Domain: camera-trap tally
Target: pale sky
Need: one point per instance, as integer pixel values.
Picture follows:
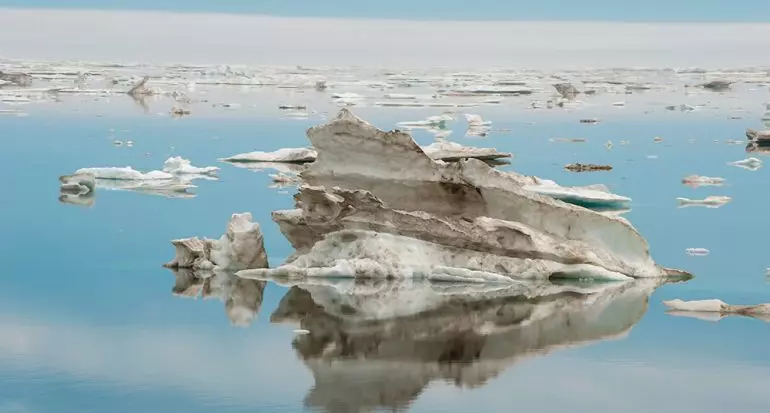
(165, 37)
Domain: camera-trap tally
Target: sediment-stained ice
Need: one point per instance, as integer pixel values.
(241, 247)
(350, 232)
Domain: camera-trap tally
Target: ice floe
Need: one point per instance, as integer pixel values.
(751, 164)
(241, 247)
(718, 308)
(284, 155)
(177, 165)
(696, 181)
(708, 202)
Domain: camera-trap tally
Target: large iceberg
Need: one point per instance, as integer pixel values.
(374, 204)
(376, 345)
(339, 232)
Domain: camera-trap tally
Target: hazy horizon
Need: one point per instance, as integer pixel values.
(165, 37)
(552, 10)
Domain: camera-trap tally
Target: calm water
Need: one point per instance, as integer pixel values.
(88, 321)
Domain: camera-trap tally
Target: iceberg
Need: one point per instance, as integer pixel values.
(342, 232)
(177, 165)
(241, 247)
(377, 345)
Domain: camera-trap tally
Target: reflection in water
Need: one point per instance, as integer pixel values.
(377, 344)
(242, 297)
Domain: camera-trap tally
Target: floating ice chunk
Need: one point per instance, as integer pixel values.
(400, 96)
(284, 168)
(696, 181)
(751, 164)
(346, 96)
(758, 136)
(591, 196)
(169, 188)
(476, 120)
(566, 90)
(761, 311)
(285, 155)
(126, 173)
(178, 111)
(450, 151)
(241, 247)
(432, 122)
(708, 202)
(619, 104)
(292, 107)
(697, 251)
(179, 166)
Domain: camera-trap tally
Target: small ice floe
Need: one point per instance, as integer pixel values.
(476, 120)
(569, 140)
(117, 142)
(179, 166)
(241, 247)
(129, 144)
(124, 174)
(686, 108)
(657, 139)
(284, 155)
(450, 152)
(590, 121)
(760, 137)
(701, 252)
(432, 122)
(608, 145)
(708, 202)
(671, 107)
(566, 90)
(733, 142)
(696, 181)
(751, 164)
(717, 308)
(619, 104)
(18, 79)
(320, 85)
(399, 96)
(587, 167)
(178, 111)
(301, 332)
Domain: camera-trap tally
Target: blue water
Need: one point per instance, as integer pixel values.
(88, 322)
(650, 10)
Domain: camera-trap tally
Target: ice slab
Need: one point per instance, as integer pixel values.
(708, 202)
(179, 166)
(284, 155)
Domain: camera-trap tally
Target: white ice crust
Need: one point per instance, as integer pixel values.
(125, 174)
(287, 155)
(176, 165)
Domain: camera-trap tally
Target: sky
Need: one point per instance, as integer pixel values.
(606, 10)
